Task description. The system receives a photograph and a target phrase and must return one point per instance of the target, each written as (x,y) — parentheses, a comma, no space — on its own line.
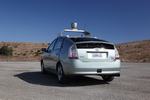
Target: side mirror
(44,50)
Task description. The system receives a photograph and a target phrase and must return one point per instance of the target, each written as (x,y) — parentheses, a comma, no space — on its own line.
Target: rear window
(94,45)
(86,39)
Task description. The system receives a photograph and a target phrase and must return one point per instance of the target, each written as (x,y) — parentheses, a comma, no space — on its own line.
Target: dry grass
(138,51)
(23,51)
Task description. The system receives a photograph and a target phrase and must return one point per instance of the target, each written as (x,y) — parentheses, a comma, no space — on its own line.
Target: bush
(6,51)
(37,53)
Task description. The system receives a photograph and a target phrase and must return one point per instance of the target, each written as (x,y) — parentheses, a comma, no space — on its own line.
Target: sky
(117,21)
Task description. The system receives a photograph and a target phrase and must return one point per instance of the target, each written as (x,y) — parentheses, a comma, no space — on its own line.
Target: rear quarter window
(65,48)
(58,43)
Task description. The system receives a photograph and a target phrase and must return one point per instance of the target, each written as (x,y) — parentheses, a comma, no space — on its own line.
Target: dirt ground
(23,81)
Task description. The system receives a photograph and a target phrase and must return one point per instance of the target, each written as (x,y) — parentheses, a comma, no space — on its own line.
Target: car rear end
(92,56)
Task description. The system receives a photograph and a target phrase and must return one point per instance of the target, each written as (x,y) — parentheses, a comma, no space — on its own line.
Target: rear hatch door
(95,51)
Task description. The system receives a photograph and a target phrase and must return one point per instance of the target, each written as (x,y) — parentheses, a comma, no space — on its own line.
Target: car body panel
(90,67)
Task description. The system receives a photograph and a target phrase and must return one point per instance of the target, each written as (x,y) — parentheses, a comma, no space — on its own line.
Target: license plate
(97,55)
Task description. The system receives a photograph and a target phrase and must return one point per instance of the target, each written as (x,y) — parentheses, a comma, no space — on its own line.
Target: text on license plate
(97,55)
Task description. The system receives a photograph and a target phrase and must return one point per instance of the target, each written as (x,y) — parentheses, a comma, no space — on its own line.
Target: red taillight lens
(116,54)
(73,52)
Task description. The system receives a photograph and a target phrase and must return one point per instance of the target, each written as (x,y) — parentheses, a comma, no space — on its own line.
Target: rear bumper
(77,67)
(93,72)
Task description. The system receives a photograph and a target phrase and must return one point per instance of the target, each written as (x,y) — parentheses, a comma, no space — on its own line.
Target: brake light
(73,52)
(116,54)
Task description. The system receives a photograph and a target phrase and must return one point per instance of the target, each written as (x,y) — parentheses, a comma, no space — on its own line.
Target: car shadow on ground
(51,80)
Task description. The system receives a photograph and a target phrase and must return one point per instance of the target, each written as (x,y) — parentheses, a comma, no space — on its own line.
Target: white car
(82,55)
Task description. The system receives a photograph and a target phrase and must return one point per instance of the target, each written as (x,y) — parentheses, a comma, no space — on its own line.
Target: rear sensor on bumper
(99,70)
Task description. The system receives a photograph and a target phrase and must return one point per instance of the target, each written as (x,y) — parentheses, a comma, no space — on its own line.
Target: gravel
(23,81)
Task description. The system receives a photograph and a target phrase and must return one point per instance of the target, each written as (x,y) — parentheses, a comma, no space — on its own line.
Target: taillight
(116,54)
(73,54)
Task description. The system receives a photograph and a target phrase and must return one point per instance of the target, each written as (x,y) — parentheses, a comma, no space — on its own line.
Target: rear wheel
(43,68)
(108,78)
(60,74)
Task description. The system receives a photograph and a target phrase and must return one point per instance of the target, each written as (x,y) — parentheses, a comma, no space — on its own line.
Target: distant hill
(23,51)
(138,51)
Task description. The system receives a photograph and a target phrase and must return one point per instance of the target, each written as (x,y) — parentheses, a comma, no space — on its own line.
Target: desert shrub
(6,51)
(24,54)
(31,51)
(16,46)
(37,53)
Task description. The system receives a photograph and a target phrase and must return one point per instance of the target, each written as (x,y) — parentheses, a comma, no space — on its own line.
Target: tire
(43,68)
(107,78)
(60,74)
